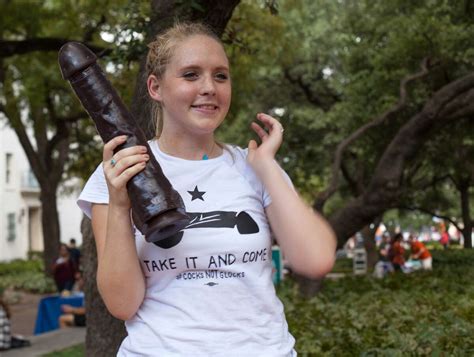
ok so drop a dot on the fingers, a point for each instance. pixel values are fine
(252, 145)
(259, 130)
(112, 159)
(119, 168)
(270, 123)
(120, 180)
(273, 127)
(111, 145)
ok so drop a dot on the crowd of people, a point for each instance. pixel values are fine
(394, 251)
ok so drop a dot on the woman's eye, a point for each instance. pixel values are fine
(190, 75)
(222, 76)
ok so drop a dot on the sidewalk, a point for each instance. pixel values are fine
(23, 323)
(49, 342)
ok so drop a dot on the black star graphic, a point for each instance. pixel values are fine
(196, 194)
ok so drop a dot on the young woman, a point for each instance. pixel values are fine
(64, 270)
(211, 293)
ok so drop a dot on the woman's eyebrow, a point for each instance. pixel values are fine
(196, 67)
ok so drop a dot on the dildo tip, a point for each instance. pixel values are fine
(74, 57)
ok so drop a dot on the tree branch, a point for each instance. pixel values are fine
(434, 214)
(334, 183)
(12, 48)
(314, 98)
(384, 189)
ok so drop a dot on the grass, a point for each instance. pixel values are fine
(74, 351)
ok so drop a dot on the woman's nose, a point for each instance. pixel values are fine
(208, 86)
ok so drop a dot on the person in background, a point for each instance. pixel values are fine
(72, 316)
(384, 265)
(64, 270)
(5, 333)
(420, 252)
(444, 239)
(397, 252)
(74, 252)
(7, 340)
(78, 283)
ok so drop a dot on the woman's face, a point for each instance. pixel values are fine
(195, 90)
(63, 251)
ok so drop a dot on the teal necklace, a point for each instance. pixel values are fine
(206, 156)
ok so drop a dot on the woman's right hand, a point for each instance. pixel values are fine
(127, 163)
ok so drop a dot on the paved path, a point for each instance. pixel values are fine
(23, 323)
(49, 342)
(24, 314)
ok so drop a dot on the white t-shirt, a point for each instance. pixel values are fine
(210, 293)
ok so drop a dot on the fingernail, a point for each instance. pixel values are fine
(123, 137)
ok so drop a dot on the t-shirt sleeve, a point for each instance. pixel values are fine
(95, 191)
(252, 178)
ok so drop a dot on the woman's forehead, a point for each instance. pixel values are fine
(198, 50)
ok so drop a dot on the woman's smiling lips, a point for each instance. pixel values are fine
(206, 108)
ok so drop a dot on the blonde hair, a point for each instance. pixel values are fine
(161, 50)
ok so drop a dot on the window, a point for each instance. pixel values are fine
(11, 227)
(8, 166)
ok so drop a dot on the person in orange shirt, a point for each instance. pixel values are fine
(397, 252)
(420, 252)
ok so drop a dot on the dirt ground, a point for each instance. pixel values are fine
(23, 314)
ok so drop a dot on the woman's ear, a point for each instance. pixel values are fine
(154, 88)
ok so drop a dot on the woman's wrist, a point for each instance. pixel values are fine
(265, 168)
(118, 210)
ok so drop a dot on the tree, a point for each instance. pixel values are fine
(377, 83)
(33, 100)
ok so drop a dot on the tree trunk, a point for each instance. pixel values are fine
(51, 230)
(308, 287)
(369, 245)
(104, 332)
(466, 215)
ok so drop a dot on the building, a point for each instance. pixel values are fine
(20, 208)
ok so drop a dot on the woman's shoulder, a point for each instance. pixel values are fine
(236, 152)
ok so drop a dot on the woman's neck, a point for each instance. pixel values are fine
(195, 148)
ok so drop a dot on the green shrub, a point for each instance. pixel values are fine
(343, 265)
(25, 275)
(423, 313)
(20, 266)
(34, 282)
(35, 255)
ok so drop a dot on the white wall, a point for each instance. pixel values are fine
(70, 216)
(22, 198)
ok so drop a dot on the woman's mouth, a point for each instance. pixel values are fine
(205, 108)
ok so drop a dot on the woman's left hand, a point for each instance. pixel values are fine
(271, 139)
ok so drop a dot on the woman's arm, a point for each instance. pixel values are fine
(119, 276)
(305, 237)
